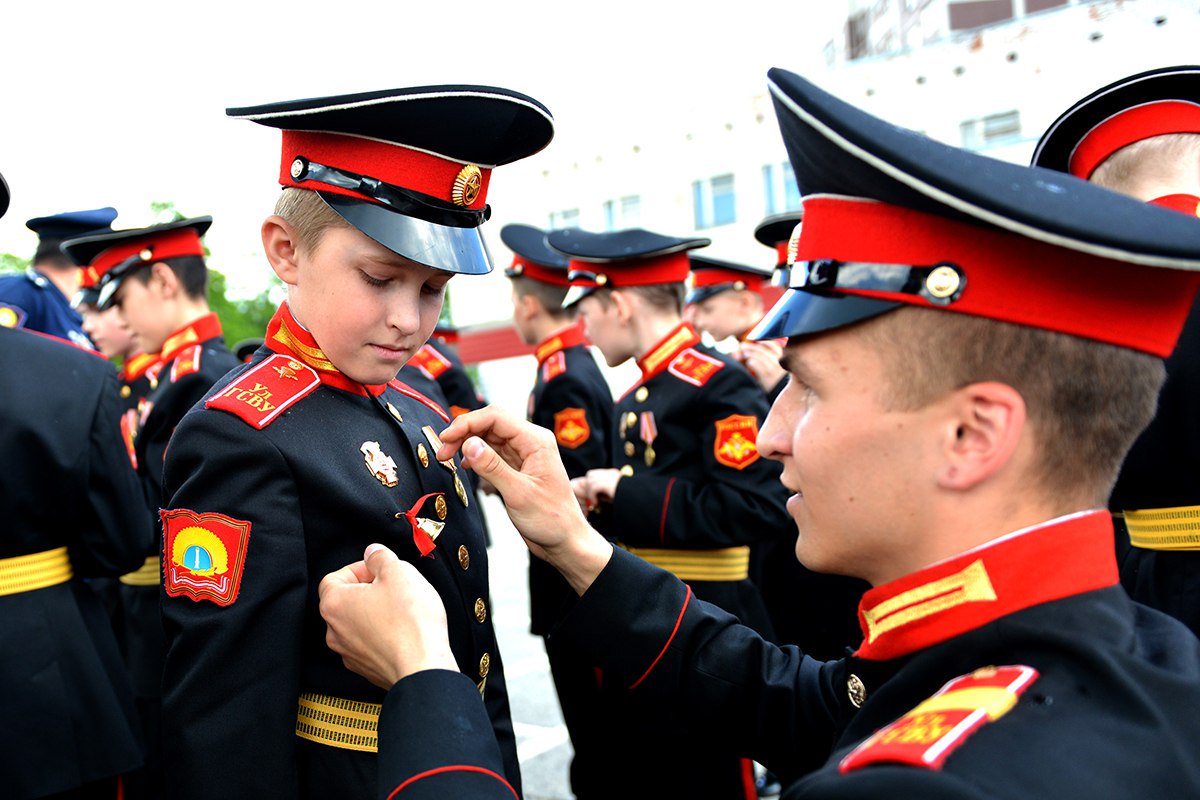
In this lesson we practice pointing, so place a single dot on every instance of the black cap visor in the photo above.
(702, 293)
(800, 313)
(442, 247)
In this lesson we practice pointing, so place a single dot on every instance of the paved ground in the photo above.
(542, 742)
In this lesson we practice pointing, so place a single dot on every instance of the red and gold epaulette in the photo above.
(408, 391)
(430, 362)
(926, 735)
(261, 394)
(554, 366)
(694, 367)
(186, 362)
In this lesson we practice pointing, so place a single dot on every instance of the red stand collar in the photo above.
(681, 337)
(199, 331)
(561, 339)
(1060, 558)
(286, 335)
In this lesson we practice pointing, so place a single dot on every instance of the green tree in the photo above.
(240, 319)
(10, 263)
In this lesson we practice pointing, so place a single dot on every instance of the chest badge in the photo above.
(649, 432)
(379, 464)
(425, 530)
(435, 442)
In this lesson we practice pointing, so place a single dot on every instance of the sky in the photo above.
(122, 104)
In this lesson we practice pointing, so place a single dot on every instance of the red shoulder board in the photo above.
(261, 394)
(430, 361)
(186, 362)
(554, 366)
(735, 443)
(571, 427)
(204, 555)
(408, 391)
(694, 367)
(926, 735)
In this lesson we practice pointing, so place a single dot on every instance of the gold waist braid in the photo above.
(148, 574)
(337, 722)
(35, 571)
(348, 724)
(1164, 528)
(725, 564)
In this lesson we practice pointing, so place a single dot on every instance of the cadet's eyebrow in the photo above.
(793, 364)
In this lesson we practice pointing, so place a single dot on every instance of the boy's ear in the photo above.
(164, 279)
(981, 433)
(624, 302)
(281, 244)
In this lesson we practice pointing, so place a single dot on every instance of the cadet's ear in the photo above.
(280, 243)
(165, 279)
(624, 301)
(980, 434)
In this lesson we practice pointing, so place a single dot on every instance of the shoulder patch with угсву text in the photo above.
(260, 395)
(925, 736)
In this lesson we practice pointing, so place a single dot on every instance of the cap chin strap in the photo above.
(397, 198)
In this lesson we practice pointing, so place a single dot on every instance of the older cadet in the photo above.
(72, 509)
(571, 398)
(40, 299)
(963, 385)
(686, 488)
(1141, 136)
(300, 458)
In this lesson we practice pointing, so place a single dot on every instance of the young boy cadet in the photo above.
(297, 460)
(571, 398)
(157, 277)
(1141, 136)
(40, 299)
(72, 510)
(685, 488)
(972, 347)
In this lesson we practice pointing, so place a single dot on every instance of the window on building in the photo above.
(564, 219)
(992, 130)
(623, 213)
(713, 200)
(965, 14)
(780, 191)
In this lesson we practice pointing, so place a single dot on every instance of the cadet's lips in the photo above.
(388, 353)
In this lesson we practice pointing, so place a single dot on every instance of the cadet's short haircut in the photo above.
(190, 270)
(308, 215)
(1086, 401)
(549, 296)
(1169, 159)
(663, 296)
(49, 254)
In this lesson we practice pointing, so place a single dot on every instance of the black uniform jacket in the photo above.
(193, 359)
(64, 699)
(693, 477)
(571, 398)
(1162, 471)
(286, 473)
(436, 743)
(1016, 670)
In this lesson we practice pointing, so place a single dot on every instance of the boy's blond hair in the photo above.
(308, 215)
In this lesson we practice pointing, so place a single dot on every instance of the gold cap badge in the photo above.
(467, 185)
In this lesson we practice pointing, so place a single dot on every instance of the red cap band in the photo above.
(400, 166)
(167, 244)
(1008, 277)
(671, 268)
(1129, 126)
(1186, 203)
(717, 276)
(531, 269)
